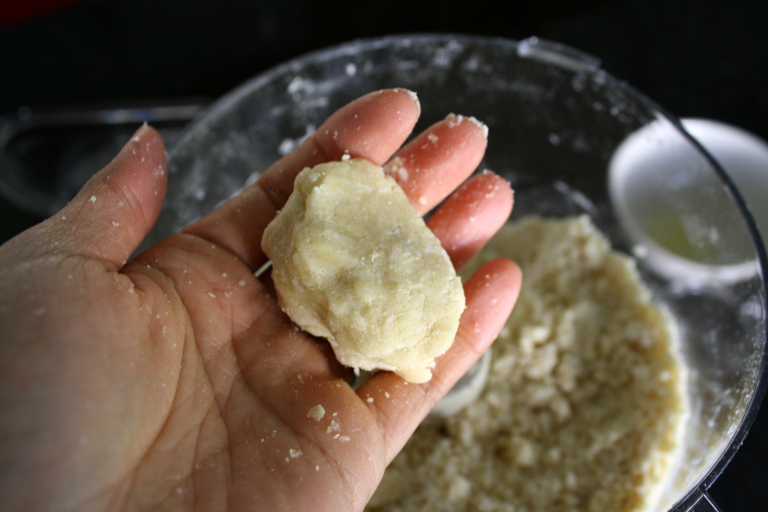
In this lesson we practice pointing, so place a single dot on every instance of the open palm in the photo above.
(175, 381)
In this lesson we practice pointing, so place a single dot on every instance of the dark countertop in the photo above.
(696, 58)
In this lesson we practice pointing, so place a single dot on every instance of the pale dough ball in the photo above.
(353, 262)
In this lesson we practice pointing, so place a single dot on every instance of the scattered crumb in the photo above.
(242, 282)
(396, 169)
(432, 137)
(333, 427)
(344, 438)
(454, 120)
(294, 453)
(316, 413)
(369, 400)
(92, 199)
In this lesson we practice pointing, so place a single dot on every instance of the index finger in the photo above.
(372, 127)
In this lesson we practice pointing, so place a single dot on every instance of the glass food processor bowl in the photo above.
(566, 135)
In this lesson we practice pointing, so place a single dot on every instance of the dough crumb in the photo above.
(397, 170)
(316, 413)
(454, 120)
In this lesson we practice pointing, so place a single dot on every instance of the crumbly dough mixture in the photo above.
(353, 262)
(584, 405)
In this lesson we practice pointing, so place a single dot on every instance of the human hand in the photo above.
(174, 380)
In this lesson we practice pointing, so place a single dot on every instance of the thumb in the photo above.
(117, 207)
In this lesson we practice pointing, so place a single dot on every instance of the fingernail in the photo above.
(413, 95)
(482, 125)
(140, 132)
(143, 149)
(456, 119)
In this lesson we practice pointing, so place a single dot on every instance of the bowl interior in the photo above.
(556, 124)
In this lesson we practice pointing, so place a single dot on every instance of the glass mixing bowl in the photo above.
(571, 139)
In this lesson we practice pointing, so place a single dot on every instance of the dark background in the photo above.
(696, 58)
